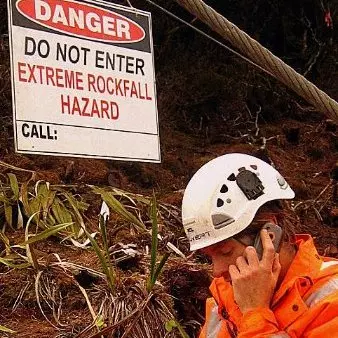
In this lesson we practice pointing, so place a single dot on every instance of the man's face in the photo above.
(224, 254)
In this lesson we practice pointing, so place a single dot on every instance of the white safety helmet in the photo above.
(224, 195)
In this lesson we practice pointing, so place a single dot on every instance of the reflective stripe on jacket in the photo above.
(305, 305)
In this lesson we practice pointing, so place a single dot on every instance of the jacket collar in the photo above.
(307, 262)
(306, 265)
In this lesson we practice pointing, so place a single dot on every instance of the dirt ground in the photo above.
(209, 104)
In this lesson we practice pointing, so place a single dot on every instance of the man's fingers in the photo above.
(241, 264)
(233, 271)
(268, 248)
(251, 256)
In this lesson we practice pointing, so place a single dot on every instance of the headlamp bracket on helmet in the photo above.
(250, 184)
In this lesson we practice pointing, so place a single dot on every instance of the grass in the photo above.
(103, 253)
(130, 304)
(155, 270)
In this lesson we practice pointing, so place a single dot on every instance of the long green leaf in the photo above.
(9, 166)
(46, 233)
(15, 256)
(154, 233)
(47, 203)
(9, 263)
(35, 208)
(41, 188)
(118, 207)
(44, 199)
(160, 267)
(5, 240)
(103, 230)
(60, 212)
(14, 185)
(6, 329)
(19, 223)
(105, 262)
(8, 214)
(30, 253)
(4, 199)
(80, 223)
(24, 198)
(132, 197)
(155, 271)
(173, 323)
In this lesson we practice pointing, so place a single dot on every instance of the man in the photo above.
(292, 293)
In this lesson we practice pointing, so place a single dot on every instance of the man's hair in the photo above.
(279, 210)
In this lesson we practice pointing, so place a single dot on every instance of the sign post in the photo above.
(83, 80)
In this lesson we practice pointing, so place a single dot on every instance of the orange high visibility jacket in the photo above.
(305, 305)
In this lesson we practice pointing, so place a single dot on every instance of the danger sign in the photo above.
(83, 80)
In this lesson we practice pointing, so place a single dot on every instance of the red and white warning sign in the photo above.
(83, 80)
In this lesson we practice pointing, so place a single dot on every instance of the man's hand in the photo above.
(254, 281)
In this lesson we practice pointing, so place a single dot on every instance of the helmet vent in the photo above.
(253, 166)
(224, 189)
(220, 202)
(221, 220)
(232, 177)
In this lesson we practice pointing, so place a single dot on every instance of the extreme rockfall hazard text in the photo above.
(87, 82)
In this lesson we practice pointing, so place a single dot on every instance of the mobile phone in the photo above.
(276, 234)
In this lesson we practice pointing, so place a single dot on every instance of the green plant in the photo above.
(119, 208)
(103, 253)
(173, 323)
(9, 201)
(50, 205)
(11, 259)
(18, 261)
(6, 329)
(54, 205)
(31, 239)
(155, 271)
